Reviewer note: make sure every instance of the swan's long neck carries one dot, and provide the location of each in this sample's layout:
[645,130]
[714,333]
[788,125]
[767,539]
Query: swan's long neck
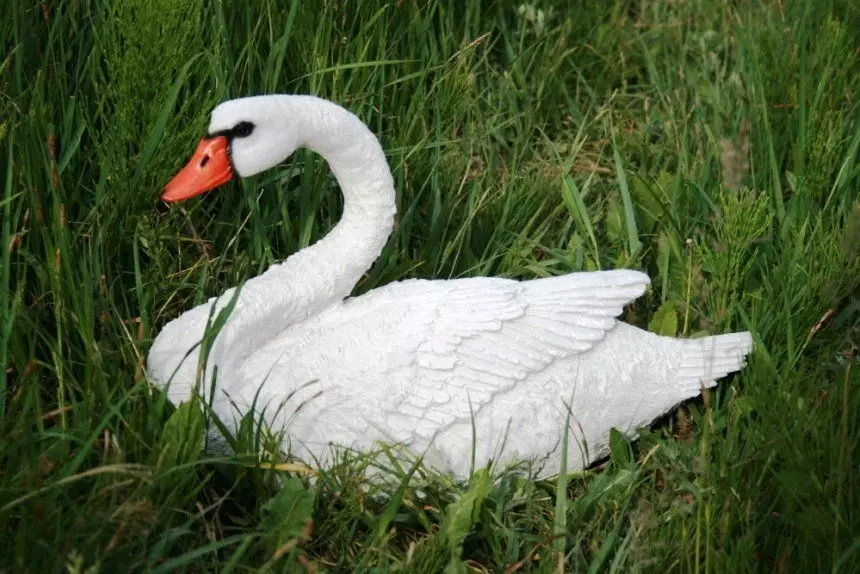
[327,271]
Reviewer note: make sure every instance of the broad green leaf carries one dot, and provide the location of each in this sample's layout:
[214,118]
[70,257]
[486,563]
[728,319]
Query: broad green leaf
[615,221]
[665,320]
[285,514]
[461,516]
[619,450]
[649,204]
[182,439]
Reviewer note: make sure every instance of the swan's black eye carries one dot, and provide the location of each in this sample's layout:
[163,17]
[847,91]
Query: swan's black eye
[242,130]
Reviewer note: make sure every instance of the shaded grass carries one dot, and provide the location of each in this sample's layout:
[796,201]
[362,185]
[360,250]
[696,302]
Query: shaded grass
[715,147]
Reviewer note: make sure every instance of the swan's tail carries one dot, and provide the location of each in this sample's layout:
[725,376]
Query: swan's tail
[710,358]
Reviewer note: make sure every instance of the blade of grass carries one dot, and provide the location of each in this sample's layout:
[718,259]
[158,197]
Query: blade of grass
[156,134]
[8,315]
[633,243]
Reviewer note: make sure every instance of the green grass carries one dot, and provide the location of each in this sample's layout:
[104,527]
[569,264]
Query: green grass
[713,145]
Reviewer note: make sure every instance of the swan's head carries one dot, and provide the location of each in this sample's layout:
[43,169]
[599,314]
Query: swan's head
[245,136]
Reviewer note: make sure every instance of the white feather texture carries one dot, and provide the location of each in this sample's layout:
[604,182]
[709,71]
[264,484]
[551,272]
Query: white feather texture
[415,361]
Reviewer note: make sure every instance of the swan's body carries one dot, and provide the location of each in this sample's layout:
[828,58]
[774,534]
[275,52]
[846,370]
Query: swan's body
[414,362]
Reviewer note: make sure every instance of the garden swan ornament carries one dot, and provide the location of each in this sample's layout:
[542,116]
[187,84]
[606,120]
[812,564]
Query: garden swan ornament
[415,362]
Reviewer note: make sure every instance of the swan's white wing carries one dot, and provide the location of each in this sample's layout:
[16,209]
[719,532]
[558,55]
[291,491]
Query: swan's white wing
[484,335]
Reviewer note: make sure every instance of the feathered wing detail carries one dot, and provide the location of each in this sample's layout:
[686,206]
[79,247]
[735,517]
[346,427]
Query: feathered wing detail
[710,358]
[485,335]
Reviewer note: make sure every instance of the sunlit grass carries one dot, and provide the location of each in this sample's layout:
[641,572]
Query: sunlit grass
[714,147]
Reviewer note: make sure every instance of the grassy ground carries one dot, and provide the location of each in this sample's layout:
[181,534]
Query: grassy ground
[714,145]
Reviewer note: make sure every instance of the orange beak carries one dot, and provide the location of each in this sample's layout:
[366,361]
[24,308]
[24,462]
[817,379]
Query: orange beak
[208,168]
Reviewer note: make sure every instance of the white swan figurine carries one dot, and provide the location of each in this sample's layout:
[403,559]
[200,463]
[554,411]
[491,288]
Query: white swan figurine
[416,362]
